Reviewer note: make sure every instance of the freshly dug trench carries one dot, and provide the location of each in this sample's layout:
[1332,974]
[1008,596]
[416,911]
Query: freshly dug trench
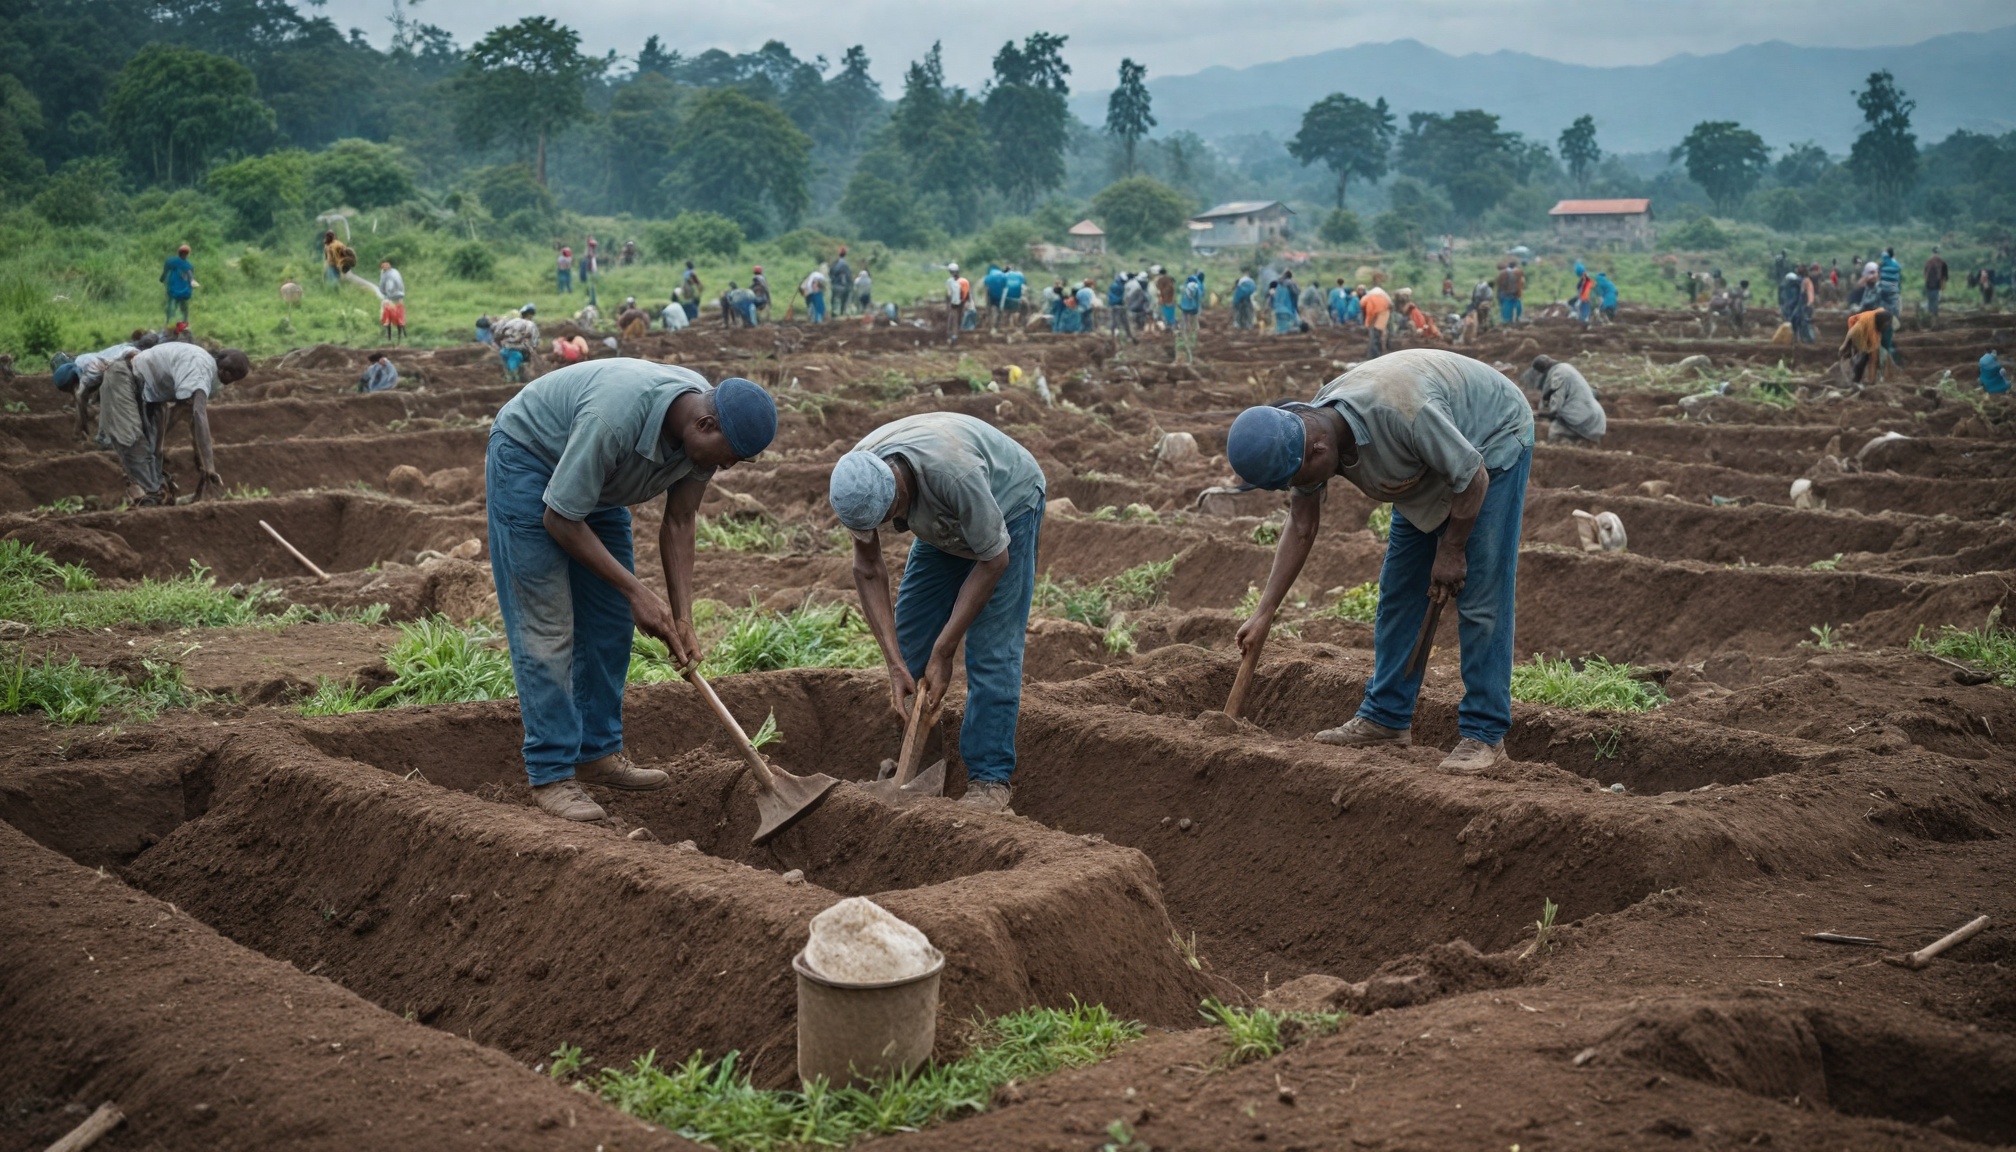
[114,995]
[495,921]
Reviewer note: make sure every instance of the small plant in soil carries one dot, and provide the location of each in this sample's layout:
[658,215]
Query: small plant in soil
[1596,686]
[1824,638]
[740,534]
[62,505]
[713,1102]
[1360,604]
[75,693]
[1267,533]
[1380,523]
[1141,586]
[1990,647]
[1261,1033]
[1607,743]
[1543,929]
[1119,637]
[435,661]
[1831,564]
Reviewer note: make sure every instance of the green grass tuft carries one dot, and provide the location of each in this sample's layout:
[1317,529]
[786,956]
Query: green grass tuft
[434,662]
[1138,587]
[45,595]
[713,1102]
[75,693]
[1600,685]
[741,534]
[1360,604]
[1261,1033]
[1991,647]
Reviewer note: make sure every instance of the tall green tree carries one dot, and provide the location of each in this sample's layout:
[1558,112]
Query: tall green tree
[1886,154]
[1580,151]
[937,130]
[1475,162]
[1726,159]
[20,121]
[1128,115]
[175,110]
[1026,118]
[1139,210]
[523,82]
[734,154]
[853,99]
[1346,135]
[643,121]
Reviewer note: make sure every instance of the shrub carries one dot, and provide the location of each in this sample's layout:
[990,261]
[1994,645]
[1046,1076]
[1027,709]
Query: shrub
[258,188]
[472,260]
[1006,239]
[1139,210]
[77,195]
[1701,234]
[884,210]
[510,189]
[693,235]
[1341,227]
[41,331]
[360,174]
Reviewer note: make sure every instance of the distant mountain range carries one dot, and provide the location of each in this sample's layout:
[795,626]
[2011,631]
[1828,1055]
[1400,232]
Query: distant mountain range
[1785,93]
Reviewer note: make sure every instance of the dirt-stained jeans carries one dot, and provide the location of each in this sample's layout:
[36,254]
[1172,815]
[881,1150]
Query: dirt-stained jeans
[1483,613]
[569,631]
[931,581]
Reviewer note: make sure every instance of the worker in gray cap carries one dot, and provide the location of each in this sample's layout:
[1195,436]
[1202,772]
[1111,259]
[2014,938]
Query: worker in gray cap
[568,456]
[974,498]
[1448,440]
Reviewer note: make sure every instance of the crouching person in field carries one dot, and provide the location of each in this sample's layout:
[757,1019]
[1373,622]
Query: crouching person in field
[974,498]
[1449,441]
[1574,414]
[567,457]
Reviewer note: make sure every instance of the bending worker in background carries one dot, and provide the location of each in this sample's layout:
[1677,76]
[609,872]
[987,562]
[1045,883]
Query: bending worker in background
[1574,414]
[174,377]
[567,457]
[1449,441]
[974,498]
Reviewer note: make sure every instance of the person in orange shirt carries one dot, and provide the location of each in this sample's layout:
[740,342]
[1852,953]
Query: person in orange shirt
[1868,333]
[1378,308]
[1423,323]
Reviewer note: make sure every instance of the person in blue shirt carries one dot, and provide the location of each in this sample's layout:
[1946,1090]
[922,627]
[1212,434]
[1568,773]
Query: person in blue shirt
[180,277]
[1012,285]
[1994,377]
[1339,303]
[1242,302]
[1286,318]
[1890,284]
[1083,299]
[991,287]
[1606,295]
[567,457]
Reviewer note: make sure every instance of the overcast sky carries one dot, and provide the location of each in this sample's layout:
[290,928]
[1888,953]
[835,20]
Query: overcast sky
[1180,36]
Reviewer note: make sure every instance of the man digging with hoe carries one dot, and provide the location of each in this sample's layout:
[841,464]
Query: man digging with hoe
[567,457]
[1448,440]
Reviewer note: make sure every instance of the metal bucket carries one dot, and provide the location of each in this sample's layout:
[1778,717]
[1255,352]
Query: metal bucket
[849,1033]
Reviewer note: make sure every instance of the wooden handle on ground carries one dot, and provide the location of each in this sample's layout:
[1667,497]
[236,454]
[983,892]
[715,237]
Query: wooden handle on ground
[1242,682]
[86,1134]
[914,736]
[764,779]
[293,551]
[1959,935]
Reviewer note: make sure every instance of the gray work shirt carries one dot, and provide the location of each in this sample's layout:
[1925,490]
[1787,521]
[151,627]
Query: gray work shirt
[1567,397]
[175,371]
[971,480]
[91,365]
[600,425]
[1424,420]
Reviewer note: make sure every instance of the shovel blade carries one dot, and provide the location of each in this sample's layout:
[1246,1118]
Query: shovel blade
[929,782]
[790,800]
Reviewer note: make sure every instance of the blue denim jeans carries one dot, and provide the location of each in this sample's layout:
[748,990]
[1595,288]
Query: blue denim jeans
[994,644]
[815,307]
[565,280]
[569,631]
[1484,613]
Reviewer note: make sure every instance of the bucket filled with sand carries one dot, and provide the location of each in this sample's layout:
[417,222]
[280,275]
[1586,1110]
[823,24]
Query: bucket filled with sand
[867,995]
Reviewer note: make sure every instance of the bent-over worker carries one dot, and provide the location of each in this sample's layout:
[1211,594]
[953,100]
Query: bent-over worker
[1574,414]
[974,498]
[567,458]
[174,376]
[1449,441]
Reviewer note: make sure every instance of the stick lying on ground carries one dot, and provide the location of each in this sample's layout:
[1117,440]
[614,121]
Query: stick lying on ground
[295,552]
[106,1118]
[1925,955]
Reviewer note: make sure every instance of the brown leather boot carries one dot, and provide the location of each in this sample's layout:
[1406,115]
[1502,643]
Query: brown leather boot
[616,771]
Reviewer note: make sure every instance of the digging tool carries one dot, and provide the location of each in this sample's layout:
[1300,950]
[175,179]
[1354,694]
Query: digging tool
[1425,643]
[293,551]
[106,1118]
[782,799]
[907,783]
[1924,956]
[1241,682]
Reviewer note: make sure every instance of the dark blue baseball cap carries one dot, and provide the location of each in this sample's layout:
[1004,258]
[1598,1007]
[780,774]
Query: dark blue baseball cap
[1265,446]
[747,414]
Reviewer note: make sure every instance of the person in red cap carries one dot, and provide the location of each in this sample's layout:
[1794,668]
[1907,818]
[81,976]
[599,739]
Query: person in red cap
[180,277]
[565,269]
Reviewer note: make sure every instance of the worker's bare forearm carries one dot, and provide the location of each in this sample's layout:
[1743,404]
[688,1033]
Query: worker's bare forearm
[974,592]
[871,583]
[1298,536]
[1464,509]
[199,431]
[579,541]
[676,544]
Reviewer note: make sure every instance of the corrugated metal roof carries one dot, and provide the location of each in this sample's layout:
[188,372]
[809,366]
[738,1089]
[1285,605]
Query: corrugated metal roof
[1242,208]
[1601,208]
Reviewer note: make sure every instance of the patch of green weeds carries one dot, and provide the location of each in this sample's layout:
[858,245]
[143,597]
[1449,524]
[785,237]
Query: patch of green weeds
[435,661]
[1825,638]
[1261,1033]
[740,534]
[1597,685]
[1543,929]
[1991,647]
[1141,586]
[1380,522]
[1360,604]
[1267,533]
[71,692]
[1119,635]
[247,492]
[1831,564]
[809,636]
[715,1103]
[63,505]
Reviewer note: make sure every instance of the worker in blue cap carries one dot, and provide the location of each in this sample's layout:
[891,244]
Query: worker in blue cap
[974,498]
[567,458]
[1448,441]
